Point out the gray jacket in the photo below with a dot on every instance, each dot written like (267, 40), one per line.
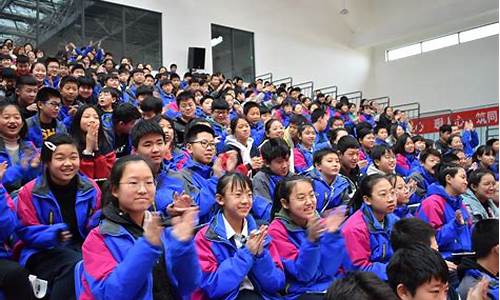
(476, 209)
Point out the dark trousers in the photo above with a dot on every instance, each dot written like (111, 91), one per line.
(248, 295)
(57, 267)
(14, 281)
(312, 297)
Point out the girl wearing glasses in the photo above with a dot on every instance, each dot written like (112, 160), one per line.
(310, 248)
(131, 255)
(56, 211)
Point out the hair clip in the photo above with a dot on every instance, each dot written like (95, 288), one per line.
(50, 146)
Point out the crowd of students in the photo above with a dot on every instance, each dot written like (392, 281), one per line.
(120, 184)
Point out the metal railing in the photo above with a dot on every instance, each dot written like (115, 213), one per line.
(354, 97)
(327, 91)
(265, 77)
(491, 132)
(306, 88)
(287, 81)
(382, 102)
(412, 109)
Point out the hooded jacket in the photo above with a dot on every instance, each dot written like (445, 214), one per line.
(329, 196)
(470, 273)
(424, 179)
(8, 223)
(438, 209)
(476, 209)
(35, 130)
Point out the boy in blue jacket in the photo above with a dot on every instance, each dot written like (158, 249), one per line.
(251, 110)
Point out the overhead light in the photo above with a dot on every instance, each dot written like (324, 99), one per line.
(344, 10)
(216, 41)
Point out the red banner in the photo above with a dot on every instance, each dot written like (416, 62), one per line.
(481, 117)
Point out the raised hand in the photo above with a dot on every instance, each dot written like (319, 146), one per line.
(232, 160)
(3, 168)
(183, 225)
(459, 218)
(152, 228)
(257, 162)
(255, 243)
(335, 218)
(314, 229)
(91, 138)
(181, 203)
(72, 110)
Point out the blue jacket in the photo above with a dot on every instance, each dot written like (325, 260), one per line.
(368, 242)
(309, 267)
(8, 223)
(403, 212)
(321, 139)
(438, 209)
(424, 179)
(224, 266)
(35, 130)
(168, 182)
(40, 215)
(221, 133)
(470, 140)
(64, 117)
(166, 98)
(329, 196)
(118, 266)
(17, 175)
(257, 133)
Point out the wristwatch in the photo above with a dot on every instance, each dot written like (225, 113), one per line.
(85, 152)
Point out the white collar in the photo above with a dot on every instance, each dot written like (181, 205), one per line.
(230, 231)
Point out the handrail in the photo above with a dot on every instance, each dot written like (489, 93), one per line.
(354, 97)
(306, 86)
(383, 102)
(412, 109)
(288, 81)
(491, 132)
(328, 91)
(265, 77)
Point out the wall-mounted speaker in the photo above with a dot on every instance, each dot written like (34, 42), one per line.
(196, 58)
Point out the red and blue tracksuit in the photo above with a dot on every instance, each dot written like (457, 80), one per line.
(224, 266)
(370, 119)
(117, 265)
(303, 158)
(329, 196)
(35, 130)
(17, 175)
(438, 209)
(310, 267)
(41, 218)
(406, 163)
(8, 223)
(368, 242)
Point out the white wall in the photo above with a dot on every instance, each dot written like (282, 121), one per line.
(454, 77)
(300, 38)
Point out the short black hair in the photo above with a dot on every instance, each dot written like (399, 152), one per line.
(196, 126)
(86, 81)
(378, 128)
(360, 286)
(491, 141)
(55, 140)
(144, 90)
(318, 155)
(26, 80)
(414, 266)
(297, 120)
(361, 133)
(143, 128)
(317, 114)
(165, 82)
(378, 151)
(76, 67)
(249, 105)
(445, 128)
(52, 59)
(428, 152)
(45, 93)
(202, 100)
(220, 104)
(67, 79)
(484, 237)
(152, 104)
(22, 59)
(184, 96)
(264, 110)
(125, 112)
(274, 148)
(174, 75)
(409, 231)
(114, 92)
(347, 142)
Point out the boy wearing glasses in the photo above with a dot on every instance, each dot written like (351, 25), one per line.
(45, 123)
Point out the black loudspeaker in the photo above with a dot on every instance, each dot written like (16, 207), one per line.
(196, 58)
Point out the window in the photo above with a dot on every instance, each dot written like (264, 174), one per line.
(233, 52)
(442, 42)
(51, 24)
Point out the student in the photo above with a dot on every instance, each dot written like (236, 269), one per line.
(56, 211)
(284, 113)
(187, 108)
(444, 133)
(444, 210)
(311, 248)
(205, 110)
(424, 174)
(124, 117)
(336, 134)
(360, 286)
(381, 134)
(249, 159)
(106, 102)
(136, 80)
(53, 77)
(418, 273)
(68, 87)
(45, 123)
(96, 152)
(251, 110)
(366, 140)
(151, 107)
(265, 114)
(131, 255)
(26, 90)
(291, 134)
(383, 161)
(479, 195)
(39, 71)
(484, 157)
(367, 115)
(21, 157)
(143, 92)
(303, 151)
(348, 148)
(149, 141)
(275, 153)
(86, 87)
(406, 160)
(485, 262)
(403, 192)
(367, 230)
(14, 282)
(319, 120)
(220, 121)
(470, 138)
(166, 92)
(232, 268)
(174, 156)
(332, 189)
(455, 142)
